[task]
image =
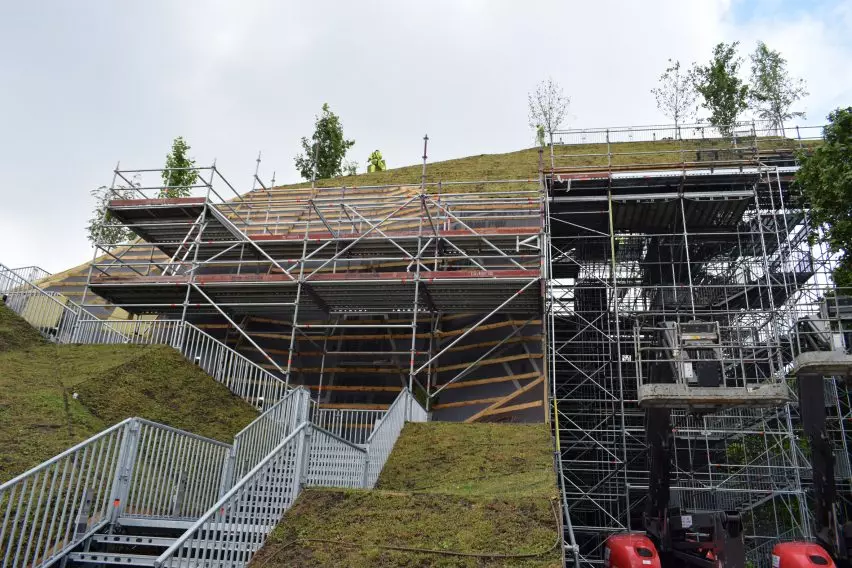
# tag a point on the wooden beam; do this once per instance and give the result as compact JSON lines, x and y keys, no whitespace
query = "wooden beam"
{"x":492,"y":409}
{"x":466,"y":403}
{"x":516,"y":407}
{"x":341,"y":388}
{"x":491,"y":361}
{"x":355,"y":406}
{"x":502,"y":379}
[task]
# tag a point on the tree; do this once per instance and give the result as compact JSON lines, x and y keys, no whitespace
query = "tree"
{"x":773,"y":91}
{"x":376,"y":163}
{"x":723,"y":91}
{"x":350,"y":167}
{"x":178,"y":173}
{"x":825,"y":179}
{"x":326,"y":148}
{"x":676,"y":94}
{"x":101,"y":228}
{"x":539,"y":136}
{"x":548,"y":106}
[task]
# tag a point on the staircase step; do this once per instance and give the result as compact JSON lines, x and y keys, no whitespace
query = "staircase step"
{"x":133,"y":540}
{"x":156,"y":523}
{"x":112,"y":558}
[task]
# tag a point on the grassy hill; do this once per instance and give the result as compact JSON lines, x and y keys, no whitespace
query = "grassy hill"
{"x":523,"y":164}
{"x":40,"y":415}
{"x":451,"y":495}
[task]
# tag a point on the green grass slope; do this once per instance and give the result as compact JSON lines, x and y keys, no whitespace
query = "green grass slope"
{"x":523,"y":164}
{"x":451,"y":495}
{"x":15,"y":333}
{"x":40,"y":417}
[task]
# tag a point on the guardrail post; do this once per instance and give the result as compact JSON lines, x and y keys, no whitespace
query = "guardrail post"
{"x":303,"y":451}
{"x":366,"y":476}
{"x":228,"y":470}
{"x":126,"y":461}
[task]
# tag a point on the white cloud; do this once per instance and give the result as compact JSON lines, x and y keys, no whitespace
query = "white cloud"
{"x":82,"y":88}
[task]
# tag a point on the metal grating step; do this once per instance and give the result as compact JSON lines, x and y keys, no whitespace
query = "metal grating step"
{"x":112,"y":558}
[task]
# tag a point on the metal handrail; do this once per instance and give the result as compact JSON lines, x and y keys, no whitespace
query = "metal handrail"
{"x":130,"y":468}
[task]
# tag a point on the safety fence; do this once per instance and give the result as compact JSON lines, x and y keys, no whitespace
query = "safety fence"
{"x":62,"y":321}
{"x":10,"y":278}
{"x":135,"y":467}
{"x":256,"y":440}
{"x":241,"y":375}
{"x":381,"y":441}
{"x":353,"y":425}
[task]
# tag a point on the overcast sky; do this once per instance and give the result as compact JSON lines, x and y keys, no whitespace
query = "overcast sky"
{"x":85,"y":84}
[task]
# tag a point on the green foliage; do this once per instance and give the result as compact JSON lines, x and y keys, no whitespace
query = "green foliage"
{"x":773,"y":92}
{"x":326,"y":148}
{"x":376,"y":163}
{"x":539,"y":136}
{"x":724,"y":93}
{"x":178,"y":175}
{"x":102,"y":228}
{"x":676,"y":94}
{"x":825,"y":178}
{"x":350,"y":167}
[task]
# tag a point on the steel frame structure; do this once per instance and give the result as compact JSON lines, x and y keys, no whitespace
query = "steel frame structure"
{"x":647,"y":225}
{"x":431,"y":287}
{"x":484,"y":297}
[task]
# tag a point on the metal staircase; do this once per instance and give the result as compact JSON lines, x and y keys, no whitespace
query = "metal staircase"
{"x":145,"y":494}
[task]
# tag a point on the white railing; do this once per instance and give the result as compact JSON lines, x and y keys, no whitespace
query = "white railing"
{"x":381,"y":441}
{"x":352,"y":425}
{"x":255,"y":441}
{"x":175,"y":474}
{"x":237,"y":525}
{"x":241,"y":375}
{"x":10,"y":278}
{"x":333,"y":461}
{"x":135,"y":468}
{"x":135,"y":332}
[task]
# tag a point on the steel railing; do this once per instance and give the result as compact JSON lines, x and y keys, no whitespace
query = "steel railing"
{"x":382,"y":439}
{"x":135,"y":332}
{"x":241,"y":375}
{"x":175,"y":474}
{"x":255,"y":441}
{"x":353,"y":425}
{"x":333,"y":461}
{"x":135,"y":468}
{"x":10,"y":277}
{"x":237,"y":525}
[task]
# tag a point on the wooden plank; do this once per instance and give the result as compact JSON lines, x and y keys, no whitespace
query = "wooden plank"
{"x":491,"y":361}
{"x":516,"y":407}
{"x":501,"y":379}
{"x":341,"y":388}
{"x":354,"y":406}
{"x":508,"y":398}
{"x":466,"y":403}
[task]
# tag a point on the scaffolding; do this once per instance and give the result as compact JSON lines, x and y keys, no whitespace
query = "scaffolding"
{"x":661,"y":233}
{"x":643,"y":264}
{"x":353,"y":292}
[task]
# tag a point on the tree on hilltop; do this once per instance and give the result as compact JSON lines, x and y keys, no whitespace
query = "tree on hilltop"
{"x":326,"y":148}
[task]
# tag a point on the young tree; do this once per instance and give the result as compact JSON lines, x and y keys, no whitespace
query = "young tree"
{"x":723,"y":91}
{"x":825,"y":178}
{"x":676,"y":94}
{"x":101,"y":229}
{"x":350,"y":167}
{"x":548,"y":106}
{"x":539,"y":136}
{"x":376,"y":163}
{"x":326,"y":148}
{"x":773,"y":91}
{"x":178,"y":182}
